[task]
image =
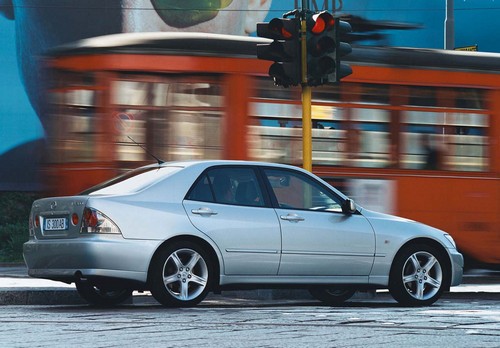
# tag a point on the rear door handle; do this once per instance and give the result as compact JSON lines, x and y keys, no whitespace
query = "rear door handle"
{"x":292,"y":217}
{"x":204,"y":211}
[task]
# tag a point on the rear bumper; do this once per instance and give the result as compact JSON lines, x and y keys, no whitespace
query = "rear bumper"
{"x":103,"y":256}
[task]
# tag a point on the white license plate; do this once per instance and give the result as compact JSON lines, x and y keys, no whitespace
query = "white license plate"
{"x":56,"y":224}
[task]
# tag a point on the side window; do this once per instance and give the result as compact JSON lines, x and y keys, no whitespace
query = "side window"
{"x":239,"y":186}
{"x":298,"y":191}
{"x":201,"y":191}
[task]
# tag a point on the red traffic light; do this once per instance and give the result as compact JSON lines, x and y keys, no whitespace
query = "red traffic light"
{"x":321,"y":22}
{"x":283,"y":28}
{"x":280,"y":29}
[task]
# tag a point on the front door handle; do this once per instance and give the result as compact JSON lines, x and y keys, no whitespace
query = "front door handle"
{"x":204,"y":211}
{"x":292,"y":217}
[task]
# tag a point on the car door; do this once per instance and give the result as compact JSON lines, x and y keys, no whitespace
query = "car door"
{"x":318,"y":239}
{"x":228,"y":204}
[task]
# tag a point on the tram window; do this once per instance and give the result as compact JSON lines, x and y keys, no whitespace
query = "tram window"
{"x":134,"y":93}
{"x":175,"y":118}
{"x":326,"y":93}
{"x":367,"y":139}
{"x":340,"y":136}
{"x":72,"y":135}
{"x":366,"y":93}
{"x":469,"y":98}
{"x":375,"y":93}
{"x":444,"y":141}
{"x":194,"y":94}
{"x":265,"y":88}
{"x":71,"y":127}
{"x":422,"y":96}
{"x":63,"y":78}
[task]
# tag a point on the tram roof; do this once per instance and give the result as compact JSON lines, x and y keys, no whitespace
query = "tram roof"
{"x":169,"y":43}
{"x":206,"y":44}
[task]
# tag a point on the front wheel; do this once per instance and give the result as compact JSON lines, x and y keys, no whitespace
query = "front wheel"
{"x":180,"y":275}
{"x":418,"y":275}
{"x":332,"y":296}
{"x":100,"y":296}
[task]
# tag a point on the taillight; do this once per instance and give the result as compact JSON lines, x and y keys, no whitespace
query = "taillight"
{"x":93,"y":221}
{"x":34,"y":221}
{"x":89,"y":217}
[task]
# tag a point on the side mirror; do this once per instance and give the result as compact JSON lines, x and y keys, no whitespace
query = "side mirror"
{"x":348,"y":207}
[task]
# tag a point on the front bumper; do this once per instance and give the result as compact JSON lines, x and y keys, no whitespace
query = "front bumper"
{"x":457,"y":267}
{"x":103,"y":256}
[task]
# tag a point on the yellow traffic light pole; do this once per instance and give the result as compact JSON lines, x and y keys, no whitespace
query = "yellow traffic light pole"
{"x":306,"y":103}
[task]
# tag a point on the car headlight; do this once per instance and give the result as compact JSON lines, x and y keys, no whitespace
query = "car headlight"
{"x":94,"y":221}
{"x":450,"y":239}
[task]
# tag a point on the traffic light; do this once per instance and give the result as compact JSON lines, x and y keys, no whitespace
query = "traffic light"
{"x":325,"y":50}
{"x":284,"y":50}
{"x":320,"y":47}
{"x":341,"y":49}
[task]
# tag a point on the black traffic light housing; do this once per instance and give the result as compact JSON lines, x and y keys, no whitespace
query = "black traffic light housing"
{"x":320,"y":38}
{"x":341,"y":49}
{"x":325,"y":50}
{"x":284,"y":50}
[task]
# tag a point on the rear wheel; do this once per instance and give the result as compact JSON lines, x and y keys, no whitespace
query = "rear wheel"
{"x":99,"y":296}
{"x":181,"y":275}
{"x":331,"y":295}
{"x":418,"y":275}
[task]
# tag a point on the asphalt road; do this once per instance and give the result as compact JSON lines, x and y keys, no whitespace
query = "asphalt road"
{"x":50,"y":314}
{"x":236,"y":323}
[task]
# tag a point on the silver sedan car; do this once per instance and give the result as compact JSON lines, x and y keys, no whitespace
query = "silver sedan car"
{"x":182,"y":229}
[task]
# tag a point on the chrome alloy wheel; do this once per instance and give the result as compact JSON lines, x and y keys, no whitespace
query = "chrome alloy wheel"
{"x":185,"y":274}
{"x":422,"y":275}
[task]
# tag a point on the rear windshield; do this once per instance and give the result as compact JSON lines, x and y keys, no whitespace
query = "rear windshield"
{"x":132,"y":181}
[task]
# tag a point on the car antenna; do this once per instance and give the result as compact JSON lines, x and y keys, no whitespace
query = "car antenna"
{"x":146,"y":150}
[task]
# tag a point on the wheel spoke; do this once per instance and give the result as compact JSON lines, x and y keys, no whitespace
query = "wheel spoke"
{"x":433,"y":282}
{"x":170,"y":279}
{"x":176,"y":260}
{"x":195,"y":257}
{"x":414,"y":261}
{"x":198,"y":280}
{"x":409,"y":278}
{"x":184,"y":291}
{"x":430,"y":263}
{"x":420,"y":290}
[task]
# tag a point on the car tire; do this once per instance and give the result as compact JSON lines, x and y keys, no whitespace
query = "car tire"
{"x":181,"y":275}
{"x":101,"y":297}
{"x":332,"y":296}
{"x":418,"y":275}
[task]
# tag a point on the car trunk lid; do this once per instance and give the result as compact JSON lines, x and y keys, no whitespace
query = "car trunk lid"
{"x":57,"y":217}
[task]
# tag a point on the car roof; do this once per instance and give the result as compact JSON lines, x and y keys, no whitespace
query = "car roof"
{"x":211,"y":163}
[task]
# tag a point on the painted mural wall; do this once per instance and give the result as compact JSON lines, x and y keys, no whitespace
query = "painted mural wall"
{"x":30,"y":27}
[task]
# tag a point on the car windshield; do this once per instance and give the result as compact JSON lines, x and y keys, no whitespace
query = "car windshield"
{"x":132,"y":181}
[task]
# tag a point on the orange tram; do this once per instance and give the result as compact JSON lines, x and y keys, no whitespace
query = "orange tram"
{"x":410,"y":132}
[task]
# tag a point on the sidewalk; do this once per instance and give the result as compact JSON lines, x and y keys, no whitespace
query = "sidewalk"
{"x":17,"y":288}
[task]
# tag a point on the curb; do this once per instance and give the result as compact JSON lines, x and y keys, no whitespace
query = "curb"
{"x":68,"y":296}
{"x":30,"y":296}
